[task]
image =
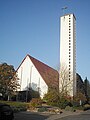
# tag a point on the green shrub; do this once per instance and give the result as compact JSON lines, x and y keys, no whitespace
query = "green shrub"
{"x":42,"y":109}
{"x":63,"y":103}
{"x":86,"y":107}
{"x":16,"y":106}
{"x":68,"y":108}
{"x":35,"y":102}
{"x":52,"y":97}
{"x":78,"y":108}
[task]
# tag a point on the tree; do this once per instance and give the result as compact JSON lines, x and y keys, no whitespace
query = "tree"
{"x":8,"y":80}
{"x":54,"y":98}
{"x":60,"y":97}
{"x":80,"y":84}
{"x":79,"y":99}
{"x":87,"y":88}
{"x":65,"y":85}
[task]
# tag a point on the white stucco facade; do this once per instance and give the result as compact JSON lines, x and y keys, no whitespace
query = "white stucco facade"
{"x":30,"y":77}
{"x":68,"y":49}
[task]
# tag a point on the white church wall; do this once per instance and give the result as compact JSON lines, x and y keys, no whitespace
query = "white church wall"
{"x":30,"y":77}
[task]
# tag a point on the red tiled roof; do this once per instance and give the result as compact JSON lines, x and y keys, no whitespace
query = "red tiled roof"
{"x":50,"y":75}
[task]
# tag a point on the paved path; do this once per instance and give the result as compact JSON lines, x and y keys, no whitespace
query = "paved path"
{"x":30,"y":116}
{"x":43,"y":116}
{"x":83,"y":116}
{"x":64,"y":114}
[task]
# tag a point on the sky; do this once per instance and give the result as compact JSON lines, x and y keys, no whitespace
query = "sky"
{"x":33,"y":27}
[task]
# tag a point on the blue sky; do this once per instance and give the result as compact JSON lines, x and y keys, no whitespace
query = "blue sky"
{"x":32,"y":27}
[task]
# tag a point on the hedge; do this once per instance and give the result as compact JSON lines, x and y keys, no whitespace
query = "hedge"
{"x":17,"y":106}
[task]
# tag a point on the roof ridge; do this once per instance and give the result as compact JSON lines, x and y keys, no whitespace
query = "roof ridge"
{"x":41,"y":62}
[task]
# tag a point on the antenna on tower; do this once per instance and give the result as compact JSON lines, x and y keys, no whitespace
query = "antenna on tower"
{"x":63,"y":9}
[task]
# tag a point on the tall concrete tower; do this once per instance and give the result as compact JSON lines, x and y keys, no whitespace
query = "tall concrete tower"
{"x":68,"y":53}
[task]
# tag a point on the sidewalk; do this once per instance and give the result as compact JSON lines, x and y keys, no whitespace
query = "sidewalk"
{"x":64,"y":114}
{"x":55,"y":116}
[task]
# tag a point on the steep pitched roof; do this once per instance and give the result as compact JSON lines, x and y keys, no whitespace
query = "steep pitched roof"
{"x":50,"y":75}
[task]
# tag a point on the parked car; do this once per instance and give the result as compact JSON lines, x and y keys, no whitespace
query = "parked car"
{"x":6,"y":112}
